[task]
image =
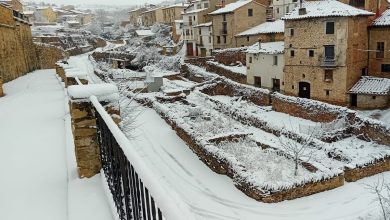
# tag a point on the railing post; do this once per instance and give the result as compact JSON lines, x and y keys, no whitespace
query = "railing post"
{"x":83,"y":118}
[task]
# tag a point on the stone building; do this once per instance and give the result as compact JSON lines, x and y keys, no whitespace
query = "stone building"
{"x":266,"y":32}
{"x":17,"y":51}
{"x":45,"y":14}
{"x":376,"y":6}
{"x":280,"y":8}
{"x":325,"y":55}
{"x":15,"y":4}
{"x":172,"y":13}
{"x":197,"y":13}
{"x":152,"y":16}
{"x":370,"y":93}
{"x":265,"y":62}
{"x":134,"y":14}
{"x":204,"y":39}
{"x":235,"y":18}
{"x":379,"y":46}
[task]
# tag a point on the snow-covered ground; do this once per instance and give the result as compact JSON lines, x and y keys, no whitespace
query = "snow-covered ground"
{"x":38,"y":177}
{"x":213,"y":196}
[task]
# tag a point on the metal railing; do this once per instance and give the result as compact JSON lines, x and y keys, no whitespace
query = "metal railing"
{"x":137,"y":193}
{"x":328,"y":62}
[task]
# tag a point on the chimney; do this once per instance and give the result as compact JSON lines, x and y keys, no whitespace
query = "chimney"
{"x":259,"y":43}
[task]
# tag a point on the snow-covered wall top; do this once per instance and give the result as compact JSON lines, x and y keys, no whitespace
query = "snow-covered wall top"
{"x":104,"y":92}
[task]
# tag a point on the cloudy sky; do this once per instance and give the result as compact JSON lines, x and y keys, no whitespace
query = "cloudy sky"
{"x":101,"y":2}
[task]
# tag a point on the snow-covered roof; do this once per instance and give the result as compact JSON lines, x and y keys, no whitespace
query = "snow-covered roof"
{"x":383,"y":20}
{"x":144,"y":32}
{"x":152,"y":10}
{"x":204,"y":24}
{"x":326,"y":8}
{"x":371,"y":86}
{"x":267,"y":48}
{"x":265,"y":28}
{"x":72,"y":22}
{"x":179,"y":21}
{"x":182,"y":5}
{"x":43,"y":8}
{"x":194,"y":11}
{"x":229,"y":8}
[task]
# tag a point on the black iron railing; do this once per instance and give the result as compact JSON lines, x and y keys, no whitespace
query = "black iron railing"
{"x":130,"y":181}
{"x":131,"y":197}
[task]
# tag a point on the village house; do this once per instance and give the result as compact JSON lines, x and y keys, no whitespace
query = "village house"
{"x":204,"y":39}
{"x":376,"y":6}
{"x":134,"y":15}
{"x":265,"y":62}
{"x":170,"y":15}
{"x":15,"y":4}
{"x":235,"y":18}
{"x":379,"y":46}
{"x":30,"y":15}
{"x":326,"y":43}
{"x":179,"y":24}
{"x":152,"y":16}
{"x":280,"y":8}
{"x":370,"y":93}
{"x":45,"y":14}
{"x":267,"y":32}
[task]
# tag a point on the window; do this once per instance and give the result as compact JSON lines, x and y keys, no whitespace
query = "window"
{"x":275,"y":60}
{"x":200,"y":31}
{"x":218,"y":39}
{"x":287,"y":9}
{"x":291,"y":32}
{"x":327,"y":92}
{"x":292,"y":53}
{"x":257,"y":81}
{"x":206,"y":5}
{"x":373,"y":97}
{"x":380,"y":47}
{"x":250,"y":59}
{"x":210,"y":40}
{"x":328,"y":76}
{"x":224,"y":17}
{"x":385,"y":68}
{"x":329,"y":29}
{"x":247,"y":38}
{"x":311,"y":53}
{"x":329,"y":52}
{"x":277,"y":10}
{"x":250,"y":12}
{"x":198,"y":6}
{"x":224,"y":39}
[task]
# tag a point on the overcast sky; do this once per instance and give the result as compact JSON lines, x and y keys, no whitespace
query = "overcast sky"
{"x":102,"y":2}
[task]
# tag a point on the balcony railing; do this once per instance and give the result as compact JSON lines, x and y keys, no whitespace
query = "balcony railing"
{"x":329,"y":62}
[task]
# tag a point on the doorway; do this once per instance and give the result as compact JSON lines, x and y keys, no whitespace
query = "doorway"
{"x":190,"y":50}
{"x":276,"y":85}
{"x":353,"y":100}
{"x":304,"y":90}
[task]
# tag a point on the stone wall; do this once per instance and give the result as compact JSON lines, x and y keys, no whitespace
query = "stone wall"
{"x":48,"y":55}
{"x":17,"y":51}
{"x":237,"y":77}
{"x":370,"y":129}
{"x":230,"y":56}
{"x":352,"y":175}
{"x":1,"y":88}
{"x":307,"y":109}
{"x":372,"y":101}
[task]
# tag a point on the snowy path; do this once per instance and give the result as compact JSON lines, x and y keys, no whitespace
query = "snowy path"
{"x":34,"y":159}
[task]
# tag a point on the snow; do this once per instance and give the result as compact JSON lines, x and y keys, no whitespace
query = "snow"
{"x":208,"y":24}
{"x":240,"y":69}
{"x":106,"y":92}
{"x":265,"y":28}
{"x":326,"y":8}
{"x":193,"y":11}
{"x":371,"y":86}
{"x":38,"y":178}
{"x":267,"y":48}
{"x":143,"y":33}
{"x":73,"y":73}
{"x":383,"y":20}
{"x":214,"y":196}
{"x":229,"y":8}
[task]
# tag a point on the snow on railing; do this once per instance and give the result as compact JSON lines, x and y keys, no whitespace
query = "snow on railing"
{"x":136,"y":191}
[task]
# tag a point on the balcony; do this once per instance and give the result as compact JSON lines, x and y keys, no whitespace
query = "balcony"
{"x":329,"y":62}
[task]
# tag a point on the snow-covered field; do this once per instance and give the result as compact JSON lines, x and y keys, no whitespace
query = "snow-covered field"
{"x":38,"y":177}
{"x":213,"y":196}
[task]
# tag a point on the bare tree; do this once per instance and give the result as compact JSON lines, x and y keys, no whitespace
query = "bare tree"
{"x":297,"y":147}
{"x":381,"y":190}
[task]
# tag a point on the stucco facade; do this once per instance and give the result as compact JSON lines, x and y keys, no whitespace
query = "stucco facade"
{"x":227,"y":25}
{"x":204,"y":39}
{"x":307,"y":72}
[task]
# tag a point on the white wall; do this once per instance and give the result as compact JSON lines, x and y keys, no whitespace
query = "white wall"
{"x":263,"y":66}
{"x":284,"y":7}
